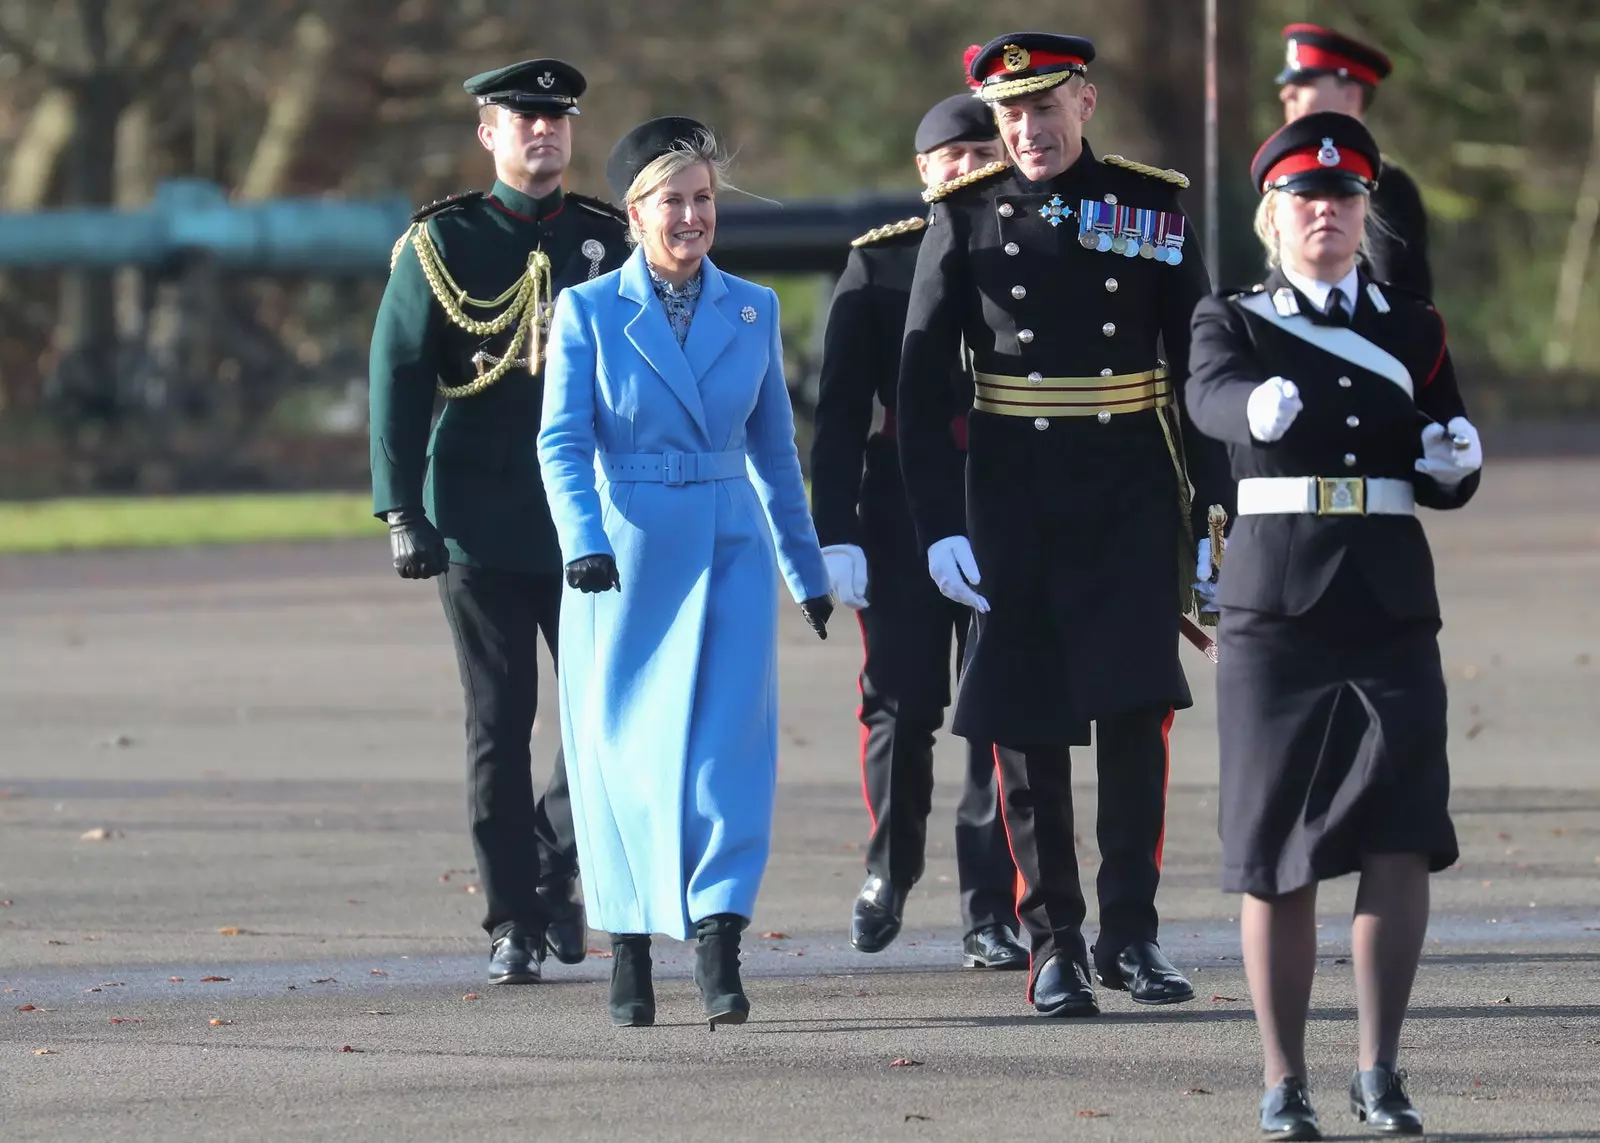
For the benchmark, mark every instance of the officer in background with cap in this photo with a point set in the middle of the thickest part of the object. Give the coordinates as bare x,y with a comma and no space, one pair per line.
472,284
1057,276
1327,71
859,504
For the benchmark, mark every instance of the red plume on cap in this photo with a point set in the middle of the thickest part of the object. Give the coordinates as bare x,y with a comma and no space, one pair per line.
966,63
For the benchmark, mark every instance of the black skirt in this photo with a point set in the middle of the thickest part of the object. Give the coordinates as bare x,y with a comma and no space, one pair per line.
1333,742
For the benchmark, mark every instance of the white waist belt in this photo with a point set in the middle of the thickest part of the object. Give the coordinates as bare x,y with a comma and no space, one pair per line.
1325,496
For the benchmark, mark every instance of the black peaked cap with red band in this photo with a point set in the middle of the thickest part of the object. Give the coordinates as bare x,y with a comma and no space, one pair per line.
1323,152
1314,51
1021,63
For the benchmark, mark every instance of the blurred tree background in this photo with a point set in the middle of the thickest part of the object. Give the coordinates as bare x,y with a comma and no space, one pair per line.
190,377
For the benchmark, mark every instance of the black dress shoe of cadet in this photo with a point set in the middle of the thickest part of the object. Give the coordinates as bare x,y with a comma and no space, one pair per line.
1144,972
1062,988
566,934
993,946
1286,1111
515,957
875,921
1378,1098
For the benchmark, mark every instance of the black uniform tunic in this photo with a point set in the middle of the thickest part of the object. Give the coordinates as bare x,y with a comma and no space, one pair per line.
1330,693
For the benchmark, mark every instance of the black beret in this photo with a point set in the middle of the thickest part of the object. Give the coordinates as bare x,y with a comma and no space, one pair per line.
644,145
530,86
1021,63
957,119
1324,151
1313,50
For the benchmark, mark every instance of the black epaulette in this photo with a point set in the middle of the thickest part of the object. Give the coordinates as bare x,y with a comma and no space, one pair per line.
943,190
892,230
1176,178
448,203
598,206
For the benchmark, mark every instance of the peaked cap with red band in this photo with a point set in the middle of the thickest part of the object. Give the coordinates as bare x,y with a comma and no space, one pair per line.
1021,63
1324,151
1315,51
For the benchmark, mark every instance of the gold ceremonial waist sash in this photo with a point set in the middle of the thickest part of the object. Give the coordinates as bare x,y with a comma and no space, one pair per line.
1103,397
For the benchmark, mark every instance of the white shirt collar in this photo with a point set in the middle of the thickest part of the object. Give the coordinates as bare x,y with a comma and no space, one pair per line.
1317,293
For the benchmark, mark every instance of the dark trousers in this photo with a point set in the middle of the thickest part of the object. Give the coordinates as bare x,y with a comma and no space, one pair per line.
905,686
1036,791
521,843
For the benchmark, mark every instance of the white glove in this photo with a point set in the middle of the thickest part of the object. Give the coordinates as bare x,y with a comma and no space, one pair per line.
847,574
1272,408
1204,587
1442,459
952,567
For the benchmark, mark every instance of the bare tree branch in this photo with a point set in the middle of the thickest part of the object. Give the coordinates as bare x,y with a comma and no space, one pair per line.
30,56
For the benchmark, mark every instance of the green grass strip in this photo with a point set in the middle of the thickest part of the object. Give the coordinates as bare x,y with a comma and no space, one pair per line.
183,521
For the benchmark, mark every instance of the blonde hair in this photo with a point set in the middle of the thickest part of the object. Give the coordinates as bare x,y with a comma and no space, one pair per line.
1267,232
702,147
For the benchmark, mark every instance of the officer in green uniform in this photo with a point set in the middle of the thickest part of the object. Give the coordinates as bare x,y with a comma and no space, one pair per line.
472,284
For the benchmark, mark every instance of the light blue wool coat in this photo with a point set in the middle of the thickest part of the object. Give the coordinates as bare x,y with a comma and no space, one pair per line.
669,689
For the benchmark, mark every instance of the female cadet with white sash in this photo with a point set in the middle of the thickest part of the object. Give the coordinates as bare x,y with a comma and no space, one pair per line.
1338,402
667,376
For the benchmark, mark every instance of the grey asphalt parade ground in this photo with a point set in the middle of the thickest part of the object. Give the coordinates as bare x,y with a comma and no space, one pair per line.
236,898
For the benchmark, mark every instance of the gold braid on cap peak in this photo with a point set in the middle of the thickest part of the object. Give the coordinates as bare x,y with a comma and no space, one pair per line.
893,229
1176,178
950,186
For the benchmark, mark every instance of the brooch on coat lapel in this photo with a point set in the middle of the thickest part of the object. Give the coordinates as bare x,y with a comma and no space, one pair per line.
749,315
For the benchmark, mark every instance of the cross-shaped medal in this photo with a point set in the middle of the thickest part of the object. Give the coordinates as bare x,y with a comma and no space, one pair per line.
1055,211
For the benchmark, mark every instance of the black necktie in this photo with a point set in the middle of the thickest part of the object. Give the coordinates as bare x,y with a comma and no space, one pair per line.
1338,310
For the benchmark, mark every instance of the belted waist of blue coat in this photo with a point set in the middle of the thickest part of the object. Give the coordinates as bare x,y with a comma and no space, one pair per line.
672,467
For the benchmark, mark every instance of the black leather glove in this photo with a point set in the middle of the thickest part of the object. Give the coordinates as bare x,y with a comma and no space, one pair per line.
816,612
417,547
592,574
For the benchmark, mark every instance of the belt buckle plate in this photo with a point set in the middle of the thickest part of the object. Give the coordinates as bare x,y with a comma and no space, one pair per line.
673,468
1341,496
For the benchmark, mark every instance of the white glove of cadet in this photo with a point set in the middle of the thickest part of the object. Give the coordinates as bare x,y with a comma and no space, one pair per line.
952,567
1272,408
847,574
1443,456
1203,585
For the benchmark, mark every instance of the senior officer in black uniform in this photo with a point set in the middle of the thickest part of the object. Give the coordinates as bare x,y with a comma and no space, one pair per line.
1057,277
1338,402
472,284
860,508
1328,71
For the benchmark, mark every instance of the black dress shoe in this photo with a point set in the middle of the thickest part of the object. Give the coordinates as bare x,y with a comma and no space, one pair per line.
875,923
716,969
566,935
1062,988
1286,1112
1378,1098
633,996
515,957
993,946
1144,972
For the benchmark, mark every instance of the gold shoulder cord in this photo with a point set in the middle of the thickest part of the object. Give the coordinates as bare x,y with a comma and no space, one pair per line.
1166,175
529,296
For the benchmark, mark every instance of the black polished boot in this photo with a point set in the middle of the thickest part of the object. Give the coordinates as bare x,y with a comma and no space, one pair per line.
1378,1098
1286,1112
566,935
1144,971
993,946
875,921
633,997
716,969
515,956
1062,988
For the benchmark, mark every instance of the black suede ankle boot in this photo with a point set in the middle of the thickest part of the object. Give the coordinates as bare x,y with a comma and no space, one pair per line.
633,998
716,969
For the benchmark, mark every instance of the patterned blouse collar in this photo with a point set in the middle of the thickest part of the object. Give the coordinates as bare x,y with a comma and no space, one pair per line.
679,301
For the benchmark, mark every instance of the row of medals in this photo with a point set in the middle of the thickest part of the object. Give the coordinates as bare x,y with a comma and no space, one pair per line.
1102,240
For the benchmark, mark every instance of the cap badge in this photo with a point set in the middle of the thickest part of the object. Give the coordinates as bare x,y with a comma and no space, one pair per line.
1015,58
1294,55
547,80
749,315
1328,156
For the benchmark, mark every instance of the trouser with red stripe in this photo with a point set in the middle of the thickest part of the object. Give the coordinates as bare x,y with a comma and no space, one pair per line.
905,687
1036,793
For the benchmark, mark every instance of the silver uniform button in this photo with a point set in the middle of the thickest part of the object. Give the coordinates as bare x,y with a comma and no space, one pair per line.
1105,373
1024,335
1019,292
1353,421
1013,249
1109,329
1103,416
1006,210
1111,285
1041,424
1344,382
1112,199
1035,378
1349,460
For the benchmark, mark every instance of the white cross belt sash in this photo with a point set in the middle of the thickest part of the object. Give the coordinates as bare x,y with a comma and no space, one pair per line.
1341,341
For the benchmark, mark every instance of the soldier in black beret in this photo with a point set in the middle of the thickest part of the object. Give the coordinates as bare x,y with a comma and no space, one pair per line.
859,505
1056,275
463,319
1338,403
1328,71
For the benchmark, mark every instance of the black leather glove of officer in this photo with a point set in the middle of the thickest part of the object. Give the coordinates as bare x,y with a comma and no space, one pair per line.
816,612
417,547
593,574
